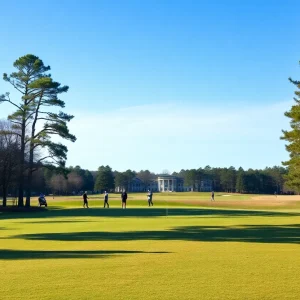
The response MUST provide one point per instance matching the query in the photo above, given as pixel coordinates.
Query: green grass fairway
(185, 247)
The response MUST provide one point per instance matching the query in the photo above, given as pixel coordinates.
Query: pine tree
(240, 185)
(104, 179)
(39, 98)
(293, 138)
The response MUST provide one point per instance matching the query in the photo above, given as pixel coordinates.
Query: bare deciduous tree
(9, 158)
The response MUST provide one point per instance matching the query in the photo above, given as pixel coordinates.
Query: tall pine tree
(240, 184)
(36, 118)
(293, 138)
(104, 179)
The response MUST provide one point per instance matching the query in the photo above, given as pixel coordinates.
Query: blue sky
(164, 84)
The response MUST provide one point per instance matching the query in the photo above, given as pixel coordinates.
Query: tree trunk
(21, 171)
(28, 189)
(29, 178)
(31, 153)
(4, 191)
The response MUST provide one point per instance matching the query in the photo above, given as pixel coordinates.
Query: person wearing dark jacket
(124, 199)
(85, 201)
(149, 197)
(106, 199)
(212, 196)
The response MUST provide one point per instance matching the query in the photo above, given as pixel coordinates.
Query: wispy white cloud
(178, 136)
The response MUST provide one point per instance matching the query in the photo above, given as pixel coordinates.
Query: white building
(169, 183)
(137, 185)
(165, 183)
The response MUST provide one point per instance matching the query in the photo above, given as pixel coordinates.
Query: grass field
(185, 247)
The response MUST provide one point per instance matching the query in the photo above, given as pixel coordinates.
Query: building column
(174, 187)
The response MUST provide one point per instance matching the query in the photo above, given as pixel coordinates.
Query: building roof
(167, 176)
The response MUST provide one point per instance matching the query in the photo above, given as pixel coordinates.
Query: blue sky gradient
(164, 84)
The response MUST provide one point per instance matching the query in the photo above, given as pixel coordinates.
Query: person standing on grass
(124, 199)
(149, 196)
(106, 199)
(212, 196)
(85, 201)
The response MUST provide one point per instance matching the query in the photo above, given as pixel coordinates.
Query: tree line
(73, 181)
(265, 181)
(76, 180)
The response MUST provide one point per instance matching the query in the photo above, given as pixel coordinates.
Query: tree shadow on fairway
(246, 233)
(10, 254)
(57, 221)
(58, 212)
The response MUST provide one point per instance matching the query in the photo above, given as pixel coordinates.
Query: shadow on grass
(7, 254)
(246, 233)
(57, 221)
(143, 212)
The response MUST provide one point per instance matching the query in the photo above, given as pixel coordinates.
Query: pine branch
(3, 99)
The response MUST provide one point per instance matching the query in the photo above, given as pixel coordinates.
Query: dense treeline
(76, 180)
(266, 181)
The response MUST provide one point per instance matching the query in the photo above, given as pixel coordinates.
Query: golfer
(124, 199)
(106, 199)
(149, 197)
(85, 201)
(212, 196)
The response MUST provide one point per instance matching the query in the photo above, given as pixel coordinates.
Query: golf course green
(184, 247)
